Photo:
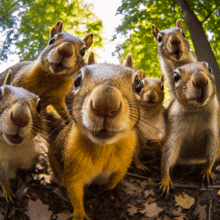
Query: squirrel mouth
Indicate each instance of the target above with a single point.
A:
(14, 139)
(103, 134)
(57, 67)
(177, 54)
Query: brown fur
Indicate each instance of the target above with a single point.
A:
(173, 50)
(51, 75)
(80, 155)
(192, 129)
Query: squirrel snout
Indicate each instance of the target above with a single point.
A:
(106, 102)
(20, 116)
(199, 80)
(175, 40)
(65, 50)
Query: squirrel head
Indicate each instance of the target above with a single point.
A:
(152, 93)
(105, 102)
(172, 42)
(194, 84)
(20, 114)
(64, 53)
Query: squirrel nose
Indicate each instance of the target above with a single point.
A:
(106, 102)
(199, 80)
(175, 40)
(20, 116)
(65, 50)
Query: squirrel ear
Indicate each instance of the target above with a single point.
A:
(128, 62)
(141, 75)
(88, 40)
(91, 59)
(8, 78)
(56, 29)
(154, 31)
(179, 25)
(162, 77)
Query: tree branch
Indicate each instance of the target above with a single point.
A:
(210, 13)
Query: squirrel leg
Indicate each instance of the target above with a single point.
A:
(114, 178)
(75, 194)
(61, 109)
(169, 157)
(207, 176)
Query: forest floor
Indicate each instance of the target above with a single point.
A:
(136, 197)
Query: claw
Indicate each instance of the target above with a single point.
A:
(207, 177)
(164, 186)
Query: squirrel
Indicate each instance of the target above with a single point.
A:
(192, 124)
(98, 145)
(173, 50)
(20, 122)
(51, 75)
(152, 110)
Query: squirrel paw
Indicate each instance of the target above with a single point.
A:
(164, 186)
(207, 177)
(9, 196)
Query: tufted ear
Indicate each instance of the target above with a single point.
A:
(56, 29)
(91, 58)
(88, 40)
(179, 25)
(8, 78)
(128, 62)
(162, 77)
(154, 31)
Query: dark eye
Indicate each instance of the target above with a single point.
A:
(210, 69)
(176, 77)
(162, 87)
(1, 94)
(38, 107)
(183, 34)
(137, 85)
(78, 80)
(82, 52)
(52, 40)
(159, 38)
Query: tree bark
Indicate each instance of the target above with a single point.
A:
(202, 47)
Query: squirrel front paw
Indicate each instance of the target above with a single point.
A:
(8, 193)
(165, 185)
(207, 177)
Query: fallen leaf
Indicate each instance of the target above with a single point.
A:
(63, 215)
(151, 210)
(131, 188)
(177, 212)
(147, 193)
(201, 212)
(37, 210)
(132, 209)
(184, 200)
(218, 193)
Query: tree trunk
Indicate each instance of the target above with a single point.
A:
(202, 47)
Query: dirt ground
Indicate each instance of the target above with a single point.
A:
(136, 197)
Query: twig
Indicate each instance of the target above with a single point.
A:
(210, 13)
(179, 185)
(209, 211)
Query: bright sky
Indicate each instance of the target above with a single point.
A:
(105, 10)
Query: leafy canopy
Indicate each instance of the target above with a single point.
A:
(139, 15)
(27, 24)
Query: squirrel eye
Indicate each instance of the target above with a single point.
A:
(162, 87)
(210, 69)
(176, 77)
(159, 38)
(83, 51)
(78, 80)
(52, 40)
(137, 85)
(1, 94)
(38, 107)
